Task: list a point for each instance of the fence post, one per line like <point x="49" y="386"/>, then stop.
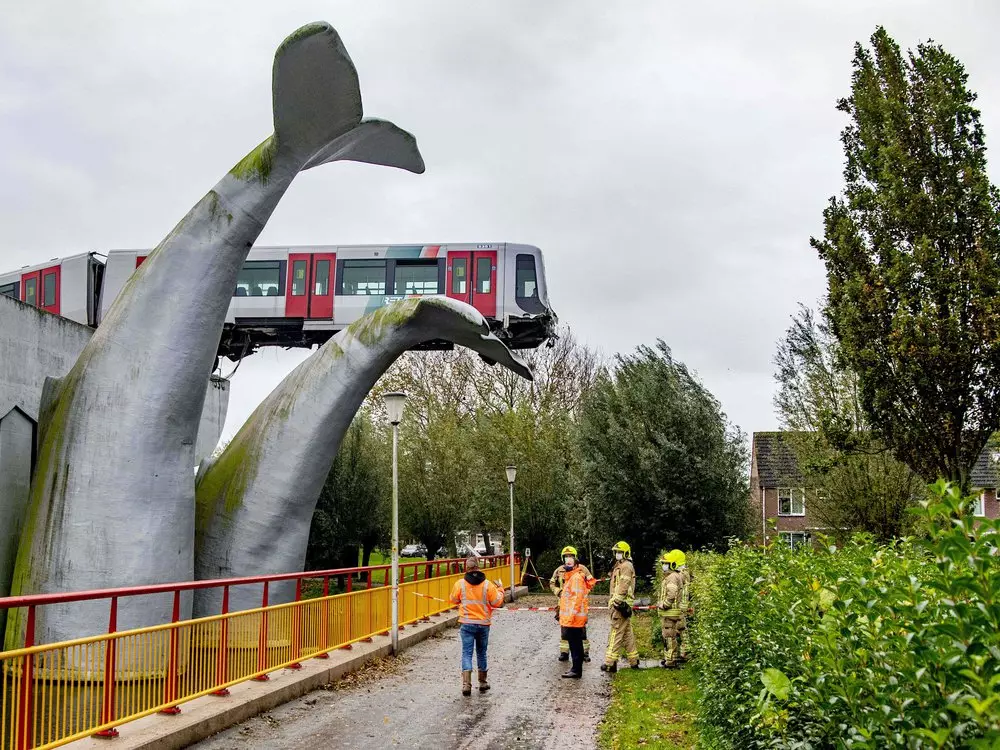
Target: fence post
<point x="324" y="621"/>
<point x="110" y="652"/>
<point x="297" y="626"/>
<point x="222" y="662"/>
<point x="26" y="708"/>
<point x="262" y="641"/>
<point x="170" y="684"/>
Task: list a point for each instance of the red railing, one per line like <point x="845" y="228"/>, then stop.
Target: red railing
<point x="372" y="576"/>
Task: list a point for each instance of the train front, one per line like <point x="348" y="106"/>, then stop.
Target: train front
<point x="528" y="320"/>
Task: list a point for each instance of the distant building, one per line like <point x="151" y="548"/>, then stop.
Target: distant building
<point x="779" y="494"/>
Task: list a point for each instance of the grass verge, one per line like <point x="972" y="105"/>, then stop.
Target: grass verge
<point x="652" y="708"/>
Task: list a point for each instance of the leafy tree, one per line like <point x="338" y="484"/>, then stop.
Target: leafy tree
<point x="864" y="487"/>
<point x="353" y="508"/>
<point x="664" y="466"/>
<point x="911" y="252"/>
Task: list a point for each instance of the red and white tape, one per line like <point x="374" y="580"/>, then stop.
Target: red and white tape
<point x="511" y="609"/>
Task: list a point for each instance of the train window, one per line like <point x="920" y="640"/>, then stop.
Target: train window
<point x="321" y="284"/>
<point x="459" y="276"/>
<point x="260" y="278"/>
<point x="526" y="284"/>
<point x="364" y="277"/>
<point x="417" y="277"/>
<point x="48" y="289"/>
<point x="10" y="290"/>
<point x="30" y="291"/>
<point x="298" y="278"/>
<point x="483" y="275"/>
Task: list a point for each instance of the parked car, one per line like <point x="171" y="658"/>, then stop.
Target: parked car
<point x="411" y="550"/>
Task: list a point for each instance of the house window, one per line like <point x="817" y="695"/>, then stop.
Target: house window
<point x="794" y="539"/>
<point x="364" y="277"/>
<point x="791" y="501"/>
<point x="979" y="506"/>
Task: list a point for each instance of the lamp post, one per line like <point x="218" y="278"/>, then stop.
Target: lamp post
<point x="511" y="476"/>
<point x="394" y="407"/>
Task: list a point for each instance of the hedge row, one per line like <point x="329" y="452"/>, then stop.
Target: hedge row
<point x="863" y="646"/>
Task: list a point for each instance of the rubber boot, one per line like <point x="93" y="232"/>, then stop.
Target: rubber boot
<point x="563" y="656"/>
<point x="612" y="668"/>
<point x="466" y="682"/>
<point x="483" y="684"/>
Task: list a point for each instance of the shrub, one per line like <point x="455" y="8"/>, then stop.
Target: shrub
<point x="864" y="646"/>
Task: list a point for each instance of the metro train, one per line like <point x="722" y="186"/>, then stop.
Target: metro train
<point x="301" y="296"/>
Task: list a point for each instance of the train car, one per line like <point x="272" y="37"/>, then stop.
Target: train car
<point x="301" y="296"/>
<point x="70" y="287"/>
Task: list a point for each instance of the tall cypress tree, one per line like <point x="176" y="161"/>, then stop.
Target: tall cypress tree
<point x="911" y="249"/>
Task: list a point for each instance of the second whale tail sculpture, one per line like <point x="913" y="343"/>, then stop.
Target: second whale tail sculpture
<point x="112" y="499"/>
<point x="256" y="500"/>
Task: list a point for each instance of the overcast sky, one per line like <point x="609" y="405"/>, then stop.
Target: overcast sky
<point x="670" y="160"/>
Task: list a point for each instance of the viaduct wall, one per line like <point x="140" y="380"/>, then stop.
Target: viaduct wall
<point x="35" y="344"/>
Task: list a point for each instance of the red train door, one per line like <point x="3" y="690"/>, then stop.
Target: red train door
<point x="457" y="276"/>
<point x="297" y="289"/>
<point x="49" y="289"/>
<point x="321" y="288"/>
<point x="484" y="287"/>
<point x="29" y="288"/>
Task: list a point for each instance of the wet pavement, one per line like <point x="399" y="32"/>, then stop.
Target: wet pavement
<point x="416" y="702"/>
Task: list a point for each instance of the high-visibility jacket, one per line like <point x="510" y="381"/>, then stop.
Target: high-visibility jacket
<point x="622" y="583"/>
<point x="476" y="602"/>
<point x="574" y="602"/>
<point x="673" y="595"/>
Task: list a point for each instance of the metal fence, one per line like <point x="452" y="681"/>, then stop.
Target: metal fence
<point x="52" y="694"/>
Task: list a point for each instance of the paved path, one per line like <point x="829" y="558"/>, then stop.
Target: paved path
<point x="417" y="703"/>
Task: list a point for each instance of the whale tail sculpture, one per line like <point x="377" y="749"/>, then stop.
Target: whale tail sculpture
<point x="256" y="500"/>
<point x="118" y="433"/>
<point x="317" y="112"/>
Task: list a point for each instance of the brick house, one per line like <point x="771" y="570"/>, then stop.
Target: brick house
<point x="781" y="500"/>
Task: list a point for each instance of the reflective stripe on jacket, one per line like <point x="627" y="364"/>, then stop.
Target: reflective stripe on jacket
<point x="574" y="602"/>
<point x="476" y="602"/>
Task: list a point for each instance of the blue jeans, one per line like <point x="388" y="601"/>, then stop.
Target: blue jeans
<point x="478" y="636"/>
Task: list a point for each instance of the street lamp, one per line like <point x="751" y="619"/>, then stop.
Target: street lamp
<point x="394" y="407"/>
<point x="511" y="476"/>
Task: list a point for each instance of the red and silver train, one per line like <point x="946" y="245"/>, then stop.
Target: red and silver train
<point x="301" y="296"/>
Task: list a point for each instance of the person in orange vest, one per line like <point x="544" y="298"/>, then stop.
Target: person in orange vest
<point x="476" y="598"/>
<point x="574" y="603"/>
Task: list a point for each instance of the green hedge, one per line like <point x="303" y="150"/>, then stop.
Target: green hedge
<point x="866" y="646"/>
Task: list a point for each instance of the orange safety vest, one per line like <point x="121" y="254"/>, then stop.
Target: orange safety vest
<point x="574" y="600"/>
<point x="476" y="603"/>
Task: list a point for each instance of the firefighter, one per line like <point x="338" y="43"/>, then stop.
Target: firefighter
<point x="622" y="637"/>
<point x="476" y="598"/>
<point x="574" y="604"/>
<point x="673" y="607"/>
<point x="569" y="557"/>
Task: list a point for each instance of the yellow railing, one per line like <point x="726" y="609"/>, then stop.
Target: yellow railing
<point x="53" y="694"/>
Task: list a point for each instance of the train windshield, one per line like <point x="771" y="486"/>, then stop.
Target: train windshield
<point x="526" y="284"/>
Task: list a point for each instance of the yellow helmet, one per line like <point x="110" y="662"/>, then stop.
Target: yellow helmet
<point x="568" y="550"/>
<point x="622" y="547"/>
<point x="675" y="558"/>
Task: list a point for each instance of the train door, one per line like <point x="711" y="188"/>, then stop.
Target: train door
<point x="309" y="291"/>
<point x="321" y="294"/>
<point x="29" y="288"/>
<point x="484" y="287"/>
<point x="457" y="276"/>
<point x="297" y="289"/>
<point x="50" y="289"/>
